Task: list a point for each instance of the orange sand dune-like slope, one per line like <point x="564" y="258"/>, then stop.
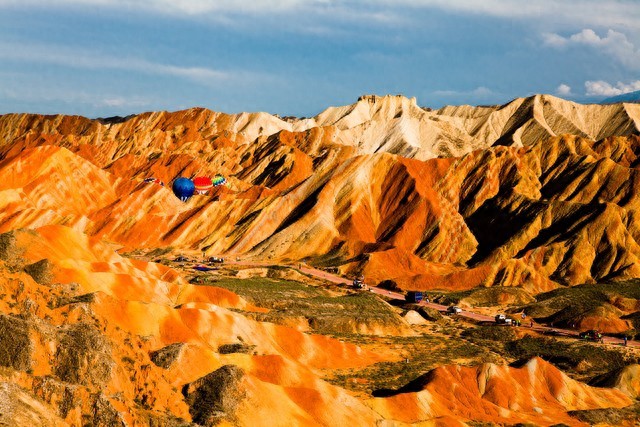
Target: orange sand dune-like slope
<point x="536" y="194"/>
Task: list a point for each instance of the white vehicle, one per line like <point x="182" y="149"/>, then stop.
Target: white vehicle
<point x="502" y="319"/>
<point x="454" y="309"/>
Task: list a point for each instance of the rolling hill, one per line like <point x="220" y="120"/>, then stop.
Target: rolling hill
<point x="537" y="195"/>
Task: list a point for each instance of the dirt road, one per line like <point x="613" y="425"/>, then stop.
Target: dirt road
<point x="464" y="313"/>
<point x="321" y="274"/>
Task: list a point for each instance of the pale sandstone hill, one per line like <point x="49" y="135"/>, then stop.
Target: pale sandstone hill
<point x="534" y="216"/>
<point x="392" y="124"/>
<point x="626" y="380"/>
<point x="525" y="121"/>
<point x="507" y="202"/>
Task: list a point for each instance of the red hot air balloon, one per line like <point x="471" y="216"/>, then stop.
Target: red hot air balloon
<point x="203" y="184"/>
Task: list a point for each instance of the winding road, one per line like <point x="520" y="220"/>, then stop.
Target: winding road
<point x="324" y="275"/>
<point x="464" y="313"/>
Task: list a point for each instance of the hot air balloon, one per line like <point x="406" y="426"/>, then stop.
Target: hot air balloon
<point x="154" y="180"/>
<point x="183" y="188"/>
<point x="202" y="184"/>
<point x="219" y="180"/>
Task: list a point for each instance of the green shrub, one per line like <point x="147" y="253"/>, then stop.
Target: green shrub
<point x="491" y="333"/>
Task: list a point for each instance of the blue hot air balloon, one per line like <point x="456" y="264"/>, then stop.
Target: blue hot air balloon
<point x="183" y="188"/>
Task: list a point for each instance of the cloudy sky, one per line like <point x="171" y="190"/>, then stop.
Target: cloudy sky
<point x="297" y="57"/>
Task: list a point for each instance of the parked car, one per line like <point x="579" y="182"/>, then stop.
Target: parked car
<point x="181" y="258"/>
<point x="358" y="283"/>
<point x="503" y="320"/>
<point x="414" y="296"/>
<point x="454" y="309"/>
<point x="591" y="335"/>
<point x="215" y="259"/>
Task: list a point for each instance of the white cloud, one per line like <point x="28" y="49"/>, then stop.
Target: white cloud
<point x="588" y="36"/>
<point x="480" y="91"/>
<point x="89" y="60"/>
<point x="45" y="94"/>
<point x="186" y="7"/>
<point x="563" y="90"/>
<point x="579" y="12"/>
<point x="602" y="88"/>
<point x="613" y="44"/>
<point x="554" y="40"/>
<point x="121" y="101"/>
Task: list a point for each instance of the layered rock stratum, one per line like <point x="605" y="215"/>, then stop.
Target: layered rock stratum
<point x="535" y="194"/>
<point x="538" y="192"/>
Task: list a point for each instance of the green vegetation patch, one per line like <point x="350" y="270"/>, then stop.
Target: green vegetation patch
<point x="325" y="313"/>
<point x="561" y="306"/>
<point x="609" y="416"/>
<point x="497" y="295"/>
<point x="493" y="333"/>
<point x="268" y="292"/>
<point x="419" y="355"/>
<point x="579" y="359"/>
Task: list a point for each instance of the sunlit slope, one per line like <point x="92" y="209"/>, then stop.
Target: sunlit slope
<point x="506" y="202"/>
<point x="535" y="393"/>
<point x="123" y="338"/>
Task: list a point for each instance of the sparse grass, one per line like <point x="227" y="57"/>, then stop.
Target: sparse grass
<point x="481" y="296"/>
<point x="447" y="344"/>
<point x="480" y="424"/>
<point x="128" y="360"/>
<point x="496" y="295"/>
<point x="158" y="252"/>
<point x="441" y="343"/>
<point x="447" y="298"/>
<point x="581" y="360"/>
<point x="443" y="346"/>
<point x="494" y="334"/>
<point x="562" y="305"/>
<point x="236" y="348"/>
<point x="268" y="292"/>
<point x="610" y="416"/>
<point x="132" y="254"/>
<point x="340" y="316"/>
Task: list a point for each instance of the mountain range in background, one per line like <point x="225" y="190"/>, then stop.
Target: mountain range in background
<point x="532" y="193"/>
<point x="625" y="97"/>
<point x="525" y="199"/>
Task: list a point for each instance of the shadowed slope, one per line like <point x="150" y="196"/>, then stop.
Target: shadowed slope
<point x="356" y="187"/>
<point x="535" y="393"/>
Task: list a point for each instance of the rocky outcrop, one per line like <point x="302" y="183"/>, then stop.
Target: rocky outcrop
<point x="216" y="396"/>
<point x="15" y="343"/>
<point x="83" y="356"/>
<point x="110" y="342"/>
<point x="535" y="393"/>
<point x="534" y="194"/>
<point x="357" y="187"/>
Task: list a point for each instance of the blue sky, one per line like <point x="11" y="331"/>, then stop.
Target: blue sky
<point x="297" y="57"/>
